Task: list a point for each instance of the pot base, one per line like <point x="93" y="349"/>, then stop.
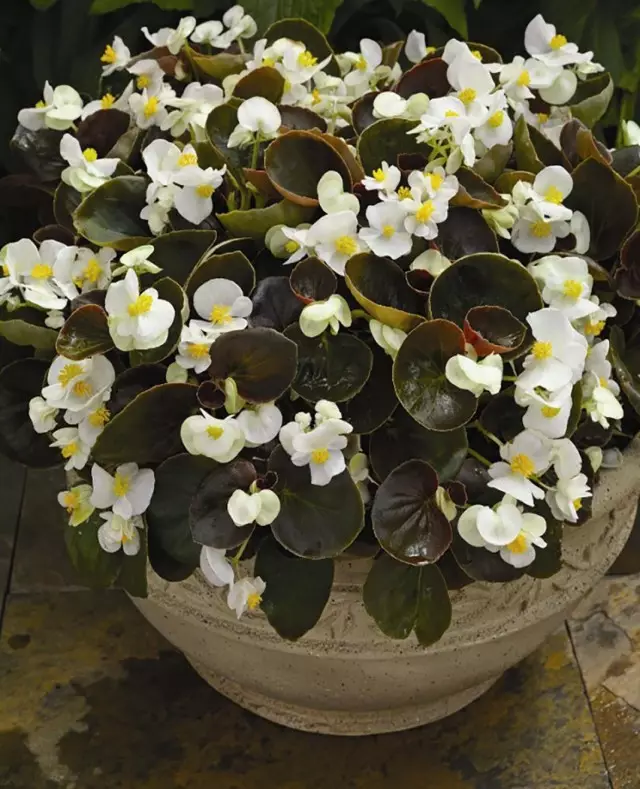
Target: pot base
<point x="339" y="722"/>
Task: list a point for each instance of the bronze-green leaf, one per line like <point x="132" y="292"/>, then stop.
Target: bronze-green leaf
<point x="227" y="265"/>
<point x="312" y="280"/>
<point x="464" y="232"/>
<point x="428" y="77"/>
<point x="254" y="222"/>
<point x="591" y="99"/>
<point x="376" y="401"/>
<point x="264" y="81"/>
<point x="24" y="325"/>
<point x="177" y="253"/>
<point x="626" y="275"/>
<point x="85" y="333"/>
<point x="475" y="192"/>
<point x="493" y="330"/>
<point x="626" y="364"/>
<point x="170" y="291"/>
<point x="385" y="140"/>
<point x="491" y="165"/>
<point x="301" y="118"/>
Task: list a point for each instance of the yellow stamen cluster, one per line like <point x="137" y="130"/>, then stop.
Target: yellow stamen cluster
<point x="41" y="271"/>
<point x="477" y="54"/>
<point x="143" y="81"/>
<point x="109" y="55"/>
<point x="594" y="329"/>
<point x="378" y="175"/>
<point x="69" y="372"/>
<point x="306" y="59"/>
<point x="424" y="213"/>
<point x="187" y="159"/>
<point x="82" y="388"/>
<point x="496" y="120"/>
<point x="253" y="601"/>
<point x="346" y="245"/>
<point x="404" y="193"/>
<point x="542" y="350"/>
<point x="291" y="246"/>
<point x="71" y="501"/>
<point x="524" y="79"/>
<point x="140" y="306"/>
<point x="553" y="195"/>
<point x="198" y="350"/>
<point x="549" y="411"/>
<point x="221" y="313"/>
<point x="558" y="41"/>
<point x="69" y="450"/>
<point x="543" y="117"/>
<point x="320" y="456"/>
<point x="522" y="464"/>
<point x="121" y="485"/>
<point x="519" y="545"/>
<point x="388" y="231"/>
<point x="90" y="154"/>
<point x="361" y="63"/>
<point x="572" y="289"/>
<point x="316" y="98"/>
<point x="540" y="229"/>
<point x="204" y="191"/>
<point x="151" y="107"/>
<point x="92" y="271"/>
<point x="451" y="114"/>
<point x="107" y="101"/>
<point x="214" y="432"/>
<point x="467" y="95"/>
<point x="436" y="180"/>
<point x="99" y="417"/>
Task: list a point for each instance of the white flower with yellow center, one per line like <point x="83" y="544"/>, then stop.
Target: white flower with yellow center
<point x="431" y="261"/>
<point x="473" y="85"/>
<point x="260" y="423"/>
<point x="565" y="500"/>
<point x="222" y="306"/>
<point x="77" y="503"/>
<point x="33" y="270"/>
<point x="521" y="77"/>
<point x="558" y="354"/>
<point x="288" y="242"/>
<point x="384" y="179"/>
<point x="137" y="321"/>
<point x="257" y="118"/>
<point x="547" y="415"/>
<point x="599" y="399"/>
<point x="173" y="39"/>
<point x="239" y="24"/>
<point x="115" y="57"/>
<point x="78" y="385"/>
<point x="566" y="284"/>
<point x="87" y="270"/>
<point x="42" y="415"/>
<point x="72" y="448"/>
<point x="149" y="109"/>
<point x="109" y="102"/>
<point x="434" y="183"/>
<point x="257" y="506"/>
<point x="164" y="159"/>
<point x="320" y="449"/>
<point x="527" y="455"/>
<point x="550" y="47"/>
<point x="330" y="314"/>
<point x="194" y="201"/>
<point x="449" y="114"/>
<point x="423" y="214"/>
<point x="58" y="109"/>
<point x="215" y="567"/>
<point x="593" y="325"/>
<point x="86" y="170"/>
<point x="138" y="260"/>
<point x="332" y="197"/>
<point x="194" y="348"/>
<point x="160" y="201"/>
<point x="532" y="232"/>
<point x="335" y="239"/>
<point x="550" y="188"/>
<point x="299" y="65"/>
<point x="128" y="492"/>
<point x="386" y="234"/>
<point x="388" y="338"/>
<point x="192" y="108"/>
<point x="246" y="595"/>
<point x="363" y="66"/>
<point x="219" y="439"/>
<point x="117" y="532"/>
<point x="501" y="220"/>
<point x="497" y="128"/>
<point x="475" y="376"/>
<point x="148" y="75"/>
<point x="91" y="424"/>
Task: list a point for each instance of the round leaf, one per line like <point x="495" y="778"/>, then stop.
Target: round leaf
<point x="434" y="606"/>
<point x="312" y="280"/>
<point x="420" y="382"/>
<point x="292" y="615"/>
<point x="627" y="274"/>
<point x="493" y="330"/>
<point x="464" y="232"/>
<point x="254" y="222"/>
<point x="228" y="265"/>
<point x="315" y="521"/>
<point x="96" y="567"/>
<point x="261" y="361"/>
<point x="264" y="81"/>
<point x="170" y="291"/>
<point x="492" y="164"/>
<point x="85" y="333"/>
<point x="482" y="565"/>
<point x="132" y="382"/>
<point x="330" y="367"/>
<point x="474" y="192"/>
<point x="65" y="202"/>
<point x="406" y="520"/>
<point x="301" y="118"/>
<point x="24" y="325"/>
<point x="177" y="253"/>
<point x="362" y="112"/>
<point x="275" y="305"/>
<point x="591" y="99"/>
<point x="102" y="129"/>
<point x="376" y="401"/>
<point x="428" y="77"/>
<point x="385" y="139"/>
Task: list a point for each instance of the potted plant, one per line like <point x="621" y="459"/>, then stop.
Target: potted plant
<point x="340" y="356"/>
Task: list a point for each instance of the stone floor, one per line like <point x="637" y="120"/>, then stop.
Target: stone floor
<point x="91" y="697"/>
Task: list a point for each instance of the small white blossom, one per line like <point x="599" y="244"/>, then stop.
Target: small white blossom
<point x="321" y="315"/>
<point x="215" y="567"/>
<point x="246" y="595"/>
<point x="257" y="117"/>
<point x="475" y="376"/>
<point x="219" y="439"/>
<point x="117" y="532"/>
<point x="385" y="179"/>
<point x="42" y="415"/>
<point x="128" y="492"/>
<point x="78" y="385"/>
<point x="335" y="239"/>
<point x="529" y="453"/>
<point x="386" y="235"/>
<point x="388" y="338"/>
<point x="72" y="448"/>
<point x="222" y="306"/>
<point x="59" y="109"/>
<point x="86" y="171"/>
<point x="174" y="40"/>
<point x="77" y="502"/>
<point x="261" y="507"/>
<point x="115" y="57"/>
<point x="566" y="498"/>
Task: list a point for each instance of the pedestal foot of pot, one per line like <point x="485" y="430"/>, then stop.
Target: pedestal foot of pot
<point x="339" y="722"/>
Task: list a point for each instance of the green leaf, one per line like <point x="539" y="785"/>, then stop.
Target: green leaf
<point x="485" y="280"/>
<point x="609" y="204"/>
<point x="315" y="521"/>
<point x="178" y="253"/>
<point x="65" y="202"/>
<point x="627" y="375"/>
<point x="464" y="232"/>
<point x="166" y="566"/>
<point x="626" y="160"/>
<point x="209" y="520"/>
<point x="330" y="367"/>
<point x="380" y="287"/>
<point x="419" y="378"/>
<point x="110" y="215"/>
<point x="40" y="152"/>
<point x="177" y="480"/>
<point x="297" y="589"/>
<point x="19" y="382"/>
<point x="227" y="265"/>
<point x="493" y="330"/>
<point x="407" y="522"/>
<point x="312" y="280"/>
<point x="526" y="155"/>
<point x="102" y="129"/>
<point x="384" y="140"/>
<point x="299" y="20"/>
<point x="264" y="81"/>
<point x="96" y="567"/>
<point x="301" y="118"/>
<point x="429" y="76"/>
<point x="502" y="416"/>
<point x="24" y="325"/>
<point x="254" y="222"/>
<point x="626" y="275"/>
<point x="218" y="66"/>
<point x="591" y="99"/>
<point x="578" y="144"/>
<point x="261" y="361"/>
<point x="85" y="333"/>
<point x="170" y="291"/>
<point x="132" y="382"/>
<point x="401" y="439"/>
<point x="482" y="565"/>
<point x="147" y="430"/>
<point x="376" y="401"/>
<point x="491" y="165"/>
<point x="275" y="305"/>
<point x="475" y="192"/>
<point x="454" y="13"/>
<point x="400" y="598"/>
<point x="296" y="161"/>
<point x="221" y="121"/>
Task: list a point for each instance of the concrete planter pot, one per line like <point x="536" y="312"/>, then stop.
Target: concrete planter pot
<point x="345" y="677"/>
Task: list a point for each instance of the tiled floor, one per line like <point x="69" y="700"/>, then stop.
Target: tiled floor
<point x="91" y="697"/>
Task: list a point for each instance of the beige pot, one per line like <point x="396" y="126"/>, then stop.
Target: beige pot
<point x="345" y="677"/>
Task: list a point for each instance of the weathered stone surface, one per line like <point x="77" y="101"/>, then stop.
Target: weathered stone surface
<point x="12" y="478"/>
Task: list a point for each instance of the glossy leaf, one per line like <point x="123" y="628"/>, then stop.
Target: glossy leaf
<point x="362" y="112"/>
<point x="222" y="120"/>
<point x="482" y="565"/>
<point x="420" y="382"/>
<point x="578" y="144"/>
<point x="292" y="615"/>
<point x="465" y="232"/>
<point x="218" y="66"/>
<point x="493" y="330"/>
<point x="312" y="280"/>
<point x="627" y="377"/>
<point x="132" y="382"/>
<point x="475" y="192"/>
<point x="275" y="305"/>
<point x="85" y="333"/>
<point x="330" y="367"/>
<point x="170" y="291"/>
<point x="315" y="521"/>
<point x="376" y="401"/>
<point x="254" y="222"/>
<point x="591" y="99"/>
<point x="627" y="273"/>
<point x="177" y="253"/>
<point x="96" y="567"/>
<point x="301" y="118"/>
<point x="264" y="81"/>
<point x="428" y="77"/>
<point x="626" y="159"/>
<point x="526" y="155"/>
<point x="65" y="202"/>
<point x="261" y="361"/>
<point x="24" y="325"/>
<point x="305" y="31"/>
<point x="384" y="140"/>
<point x="102" y="129"/>
<point x="491" y="165"/>
<point x="228" y="265"/>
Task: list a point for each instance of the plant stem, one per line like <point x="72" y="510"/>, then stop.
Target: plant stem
<point x="487" y="434"/>
<point x="256" y="151"/>
<point x="479" y="457"/>
<point x="236" y="559"/>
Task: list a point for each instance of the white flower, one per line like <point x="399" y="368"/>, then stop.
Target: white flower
<point x="174" y="40"/>
<point x="219" y="439"/>
<point x="550" y="188"/>
<point x="298" y="65"/>
<point x="473" y="84"/>
<point x="192" y="108"/>
<point x="593" y="324"/>
<point x="332" y="197"/>
<point x="533" y="233"/>
<point x="256" y="117"/>
<point x="87" y="270"/>
<point x="386" y="235"/>
<point x="33" y="270"/>
<point x="115" y="57"/>
<point x="630" y="133"/>
<point x="128" y="492"/>
<point x="434" y="183"/>
<point x="335" y="239"/>
<point x="222" y="305"/>
<point x="416" y="47"/>
<point x="215" y="567"/>
<point x="474" y="376"/>
<point x="321" y="315"/>
<point x="549" y="416"/>
<point x="58" y="109"/>
<point x="388" y="338"/>
<point x="445" y="504"/>
<point x="92" y="422"/>
<point x="497" y="129"/>
<point x="246" y="595"/>
<point x="389" y="105"/>
<point x="501" y="220"/>
<point x="138" y="260"/>
<point x="529" y="453"/>
<point x="194" y="201"/>
<point x="117" y="532"/>
<point x="240" y="25"/>
<point x="86" y="170"/>
<point x="543" y="43"/>
<point x="109" y="102"/>
<point x="562" y="88"/>
<point x="320" y="449"/>
<point x="359" y="472"/>
<point x="364" y="64"/>
<point x="42" y="415"/>
<point x="72" y="447"/>
<point x="148" y="75"/>
<point x="77" y="503"/>
<point x="261" y="507"/>
<point x="288" y="242"/>
<point x="260" y="423"/>
<point x="385" y="179"/>
<point x="423" y="215"/>
<point x="599" y="399"/>
<point x="581" y="232"/>
<point x="163" y="159"/>
<point x="149" y="108"/>
<point x="565" y="499"/>
<point x="558" y="354"/>
<point x="566" y="284"/>
<point x="55" y="319"/>
<point x="159" y="203"/>
<point x="194" y="348"/>
<point x="520" y="77"/>
<point x="209" y="33"/>
<point x="78" y="385"/>
<point x="431" y="261"/>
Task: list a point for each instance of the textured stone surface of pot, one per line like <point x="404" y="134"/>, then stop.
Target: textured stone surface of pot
<point x="345" y="677"/>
